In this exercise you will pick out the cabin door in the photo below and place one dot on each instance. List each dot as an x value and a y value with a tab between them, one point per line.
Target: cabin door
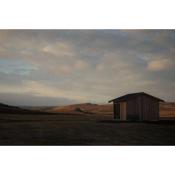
123	111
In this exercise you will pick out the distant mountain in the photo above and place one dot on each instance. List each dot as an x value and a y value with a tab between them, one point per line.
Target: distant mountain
7	108
4	108
84	108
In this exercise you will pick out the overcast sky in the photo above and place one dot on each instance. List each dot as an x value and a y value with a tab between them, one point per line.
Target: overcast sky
58	67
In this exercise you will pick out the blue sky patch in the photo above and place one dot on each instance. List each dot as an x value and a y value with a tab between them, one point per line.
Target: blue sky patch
15	67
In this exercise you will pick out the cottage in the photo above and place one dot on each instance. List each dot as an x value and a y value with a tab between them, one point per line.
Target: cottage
137	106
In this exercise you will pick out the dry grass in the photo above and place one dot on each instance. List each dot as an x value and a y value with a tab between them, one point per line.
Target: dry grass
167	109
32	129
106	109
83	124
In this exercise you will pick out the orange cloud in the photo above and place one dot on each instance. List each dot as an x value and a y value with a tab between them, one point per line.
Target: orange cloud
158	65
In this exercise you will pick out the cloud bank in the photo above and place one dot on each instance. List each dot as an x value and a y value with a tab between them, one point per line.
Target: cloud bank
74	66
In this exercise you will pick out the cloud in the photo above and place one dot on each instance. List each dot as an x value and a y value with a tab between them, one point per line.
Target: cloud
160	64
15	67
58	48
32	100
87	65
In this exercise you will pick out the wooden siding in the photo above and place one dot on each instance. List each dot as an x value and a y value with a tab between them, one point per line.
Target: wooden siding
116	107
133	109
123	110
140	108
118	110
115	110
150	109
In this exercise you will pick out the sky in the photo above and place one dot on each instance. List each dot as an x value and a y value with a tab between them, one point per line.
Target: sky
61	67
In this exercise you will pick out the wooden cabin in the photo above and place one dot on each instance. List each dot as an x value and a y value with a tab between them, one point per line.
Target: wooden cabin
136	107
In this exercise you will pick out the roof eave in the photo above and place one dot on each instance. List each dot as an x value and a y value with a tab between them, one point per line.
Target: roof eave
110	101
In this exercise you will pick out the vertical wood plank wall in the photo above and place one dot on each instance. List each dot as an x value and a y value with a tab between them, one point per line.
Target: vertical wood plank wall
150	109
144	107
123	113
115	110
140	108
116	107
133	109
118	110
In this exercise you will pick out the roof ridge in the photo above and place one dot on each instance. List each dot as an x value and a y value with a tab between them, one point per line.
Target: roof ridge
132	94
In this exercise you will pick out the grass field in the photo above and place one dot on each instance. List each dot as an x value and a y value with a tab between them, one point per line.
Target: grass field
57	129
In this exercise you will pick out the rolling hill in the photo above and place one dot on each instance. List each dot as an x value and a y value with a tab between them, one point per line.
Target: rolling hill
84	108
7	108
4	108
166	109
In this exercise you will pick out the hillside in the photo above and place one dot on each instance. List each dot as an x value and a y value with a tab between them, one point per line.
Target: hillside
7	108
4	108
166	109
85	108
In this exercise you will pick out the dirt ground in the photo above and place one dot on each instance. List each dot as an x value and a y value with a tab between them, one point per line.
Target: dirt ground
57	129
